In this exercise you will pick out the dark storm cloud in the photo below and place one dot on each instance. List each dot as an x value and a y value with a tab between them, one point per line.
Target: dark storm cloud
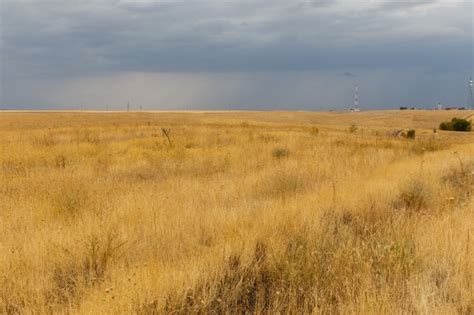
56	40
197	36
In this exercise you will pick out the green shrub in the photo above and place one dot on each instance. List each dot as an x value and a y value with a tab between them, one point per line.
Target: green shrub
446	126
456	124
460	124
411	134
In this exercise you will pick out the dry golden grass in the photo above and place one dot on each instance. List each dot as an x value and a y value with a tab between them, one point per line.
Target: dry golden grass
244	212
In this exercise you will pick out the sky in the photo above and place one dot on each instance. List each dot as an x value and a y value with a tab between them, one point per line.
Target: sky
234	54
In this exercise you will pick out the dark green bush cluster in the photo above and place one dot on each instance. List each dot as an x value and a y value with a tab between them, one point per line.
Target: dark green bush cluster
456	124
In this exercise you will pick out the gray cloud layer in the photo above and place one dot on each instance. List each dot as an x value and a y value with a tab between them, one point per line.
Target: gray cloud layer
260	53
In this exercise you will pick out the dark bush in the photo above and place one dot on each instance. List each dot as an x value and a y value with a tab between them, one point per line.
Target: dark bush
446	126
456	124
411	134
280	153
460	124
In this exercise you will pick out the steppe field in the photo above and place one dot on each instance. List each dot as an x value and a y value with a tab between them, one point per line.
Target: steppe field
233	212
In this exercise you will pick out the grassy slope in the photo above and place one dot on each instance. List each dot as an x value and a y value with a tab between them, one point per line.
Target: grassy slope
100	214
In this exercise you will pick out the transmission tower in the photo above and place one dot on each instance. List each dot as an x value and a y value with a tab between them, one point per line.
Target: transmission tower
355	102
470	100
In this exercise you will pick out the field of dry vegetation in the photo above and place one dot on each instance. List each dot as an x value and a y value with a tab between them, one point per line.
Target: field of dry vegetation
237	212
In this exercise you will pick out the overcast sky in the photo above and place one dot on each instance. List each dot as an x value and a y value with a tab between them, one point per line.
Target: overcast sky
238	54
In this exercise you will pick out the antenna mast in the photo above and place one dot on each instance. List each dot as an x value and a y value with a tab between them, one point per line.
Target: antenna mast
355	103
470	100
